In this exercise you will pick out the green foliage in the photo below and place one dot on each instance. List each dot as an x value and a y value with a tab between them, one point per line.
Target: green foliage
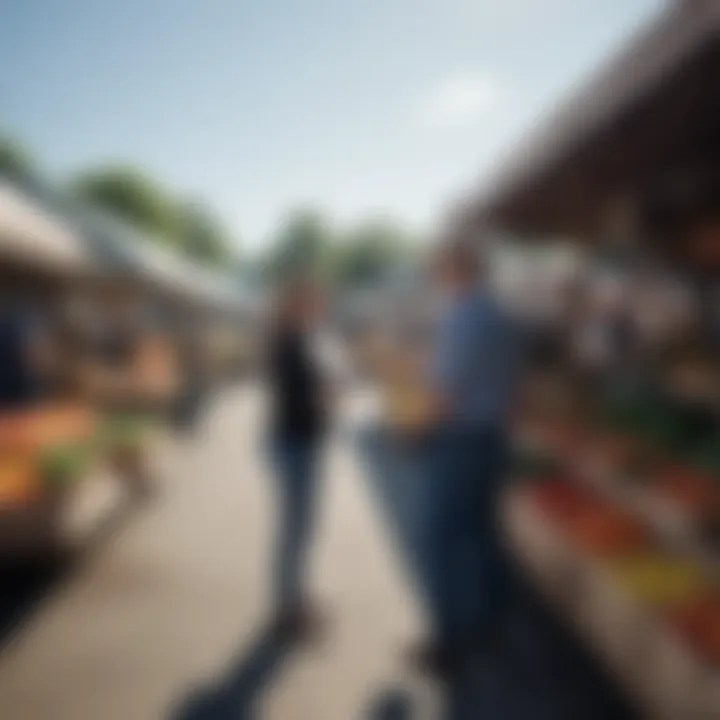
134	197
15	161
131	195
65	463
530	463
708	456
372	252
302	245
202	237
126	431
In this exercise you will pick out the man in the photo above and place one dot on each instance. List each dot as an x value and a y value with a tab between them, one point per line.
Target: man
473	379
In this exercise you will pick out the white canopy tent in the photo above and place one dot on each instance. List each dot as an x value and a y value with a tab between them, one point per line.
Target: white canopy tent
31	237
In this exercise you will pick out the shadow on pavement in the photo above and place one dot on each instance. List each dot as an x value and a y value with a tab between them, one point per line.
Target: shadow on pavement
27	582
22	588
235	696
541	671
391	705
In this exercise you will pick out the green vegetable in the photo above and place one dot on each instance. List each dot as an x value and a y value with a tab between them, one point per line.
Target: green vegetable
533	463
708	457
63	464
127	431
661	424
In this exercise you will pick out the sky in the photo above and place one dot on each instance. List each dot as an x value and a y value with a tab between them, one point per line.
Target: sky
357	107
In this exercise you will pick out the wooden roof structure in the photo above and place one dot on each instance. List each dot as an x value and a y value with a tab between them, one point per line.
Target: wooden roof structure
641	134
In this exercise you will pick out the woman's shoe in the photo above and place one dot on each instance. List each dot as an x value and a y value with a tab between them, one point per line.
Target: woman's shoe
434	660
298	626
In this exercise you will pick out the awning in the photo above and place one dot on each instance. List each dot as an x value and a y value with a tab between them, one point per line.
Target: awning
650	113
128	254
31	236
46	227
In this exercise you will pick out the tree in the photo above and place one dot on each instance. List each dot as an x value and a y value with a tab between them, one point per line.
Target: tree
202	237
129	194
372	252
15	161
302	245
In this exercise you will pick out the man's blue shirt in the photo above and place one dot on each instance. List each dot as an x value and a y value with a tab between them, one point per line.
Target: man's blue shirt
476	361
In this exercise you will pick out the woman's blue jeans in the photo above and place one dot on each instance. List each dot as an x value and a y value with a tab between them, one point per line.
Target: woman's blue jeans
295	464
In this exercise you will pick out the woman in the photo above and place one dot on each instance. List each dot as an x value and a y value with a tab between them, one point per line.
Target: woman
297	427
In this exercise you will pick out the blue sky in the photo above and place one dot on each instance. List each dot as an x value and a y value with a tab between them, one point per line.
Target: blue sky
356	106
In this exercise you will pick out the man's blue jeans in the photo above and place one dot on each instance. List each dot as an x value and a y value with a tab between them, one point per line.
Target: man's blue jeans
466	571
294	461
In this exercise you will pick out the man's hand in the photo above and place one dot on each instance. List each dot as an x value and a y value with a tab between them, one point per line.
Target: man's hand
413	422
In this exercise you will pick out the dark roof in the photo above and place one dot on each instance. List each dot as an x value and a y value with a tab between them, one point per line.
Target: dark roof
621	123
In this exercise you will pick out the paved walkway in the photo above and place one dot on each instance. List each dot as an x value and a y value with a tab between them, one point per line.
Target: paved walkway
176	602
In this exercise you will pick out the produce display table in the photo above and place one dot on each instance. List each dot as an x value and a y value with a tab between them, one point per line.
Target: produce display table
673	498
54	493
652	503
543	673
637	642
44	452
646	606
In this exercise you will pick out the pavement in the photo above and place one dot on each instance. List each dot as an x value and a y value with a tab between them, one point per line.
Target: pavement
175	603
167	618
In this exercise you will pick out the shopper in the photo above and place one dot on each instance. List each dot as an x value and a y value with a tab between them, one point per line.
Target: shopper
298	421
473	380
24	344
195	385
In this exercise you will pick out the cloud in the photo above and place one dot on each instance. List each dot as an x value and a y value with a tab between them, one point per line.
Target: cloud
460	100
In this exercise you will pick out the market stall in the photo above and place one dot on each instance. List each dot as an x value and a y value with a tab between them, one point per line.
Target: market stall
113	317
617	518
196	306
46	430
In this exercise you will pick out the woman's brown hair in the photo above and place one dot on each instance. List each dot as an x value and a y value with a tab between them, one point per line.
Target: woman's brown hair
289	298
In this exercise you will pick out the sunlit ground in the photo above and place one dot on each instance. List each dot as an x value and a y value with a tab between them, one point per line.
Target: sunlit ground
177	599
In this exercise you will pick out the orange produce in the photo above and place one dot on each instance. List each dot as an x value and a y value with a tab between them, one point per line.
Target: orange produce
698	625
36	427
18	481
14	429
562	499
605	532
694	492
65	421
